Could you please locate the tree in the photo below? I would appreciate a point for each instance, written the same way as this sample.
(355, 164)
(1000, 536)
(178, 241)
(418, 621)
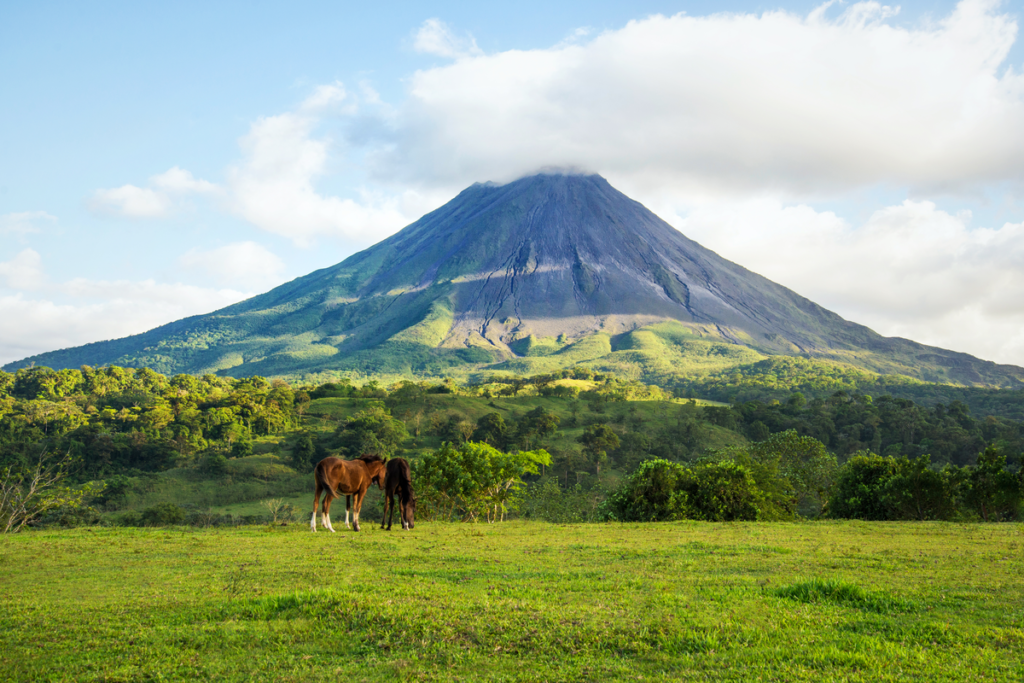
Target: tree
(492, 430)
(724, 491)
(303, 452)
(597, 440)
(715, 491)
(995, 492)
(655, 492)
(858, 487)
(537, 425)
(371, 431)
(29, 492)
(915, 491)
(476, 479)
(803, 460)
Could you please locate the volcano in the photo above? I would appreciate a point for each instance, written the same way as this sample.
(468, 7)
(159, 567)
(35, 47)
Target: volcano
(547, 271)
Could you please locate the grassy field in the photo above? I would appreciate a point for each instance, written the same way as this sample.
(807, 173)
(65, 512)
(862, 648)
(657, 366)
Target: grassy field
(516, 602)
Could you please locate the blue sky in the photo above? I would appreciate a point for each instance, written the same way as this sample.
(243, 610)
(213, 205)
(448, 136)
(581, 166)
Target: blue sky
(162, 160)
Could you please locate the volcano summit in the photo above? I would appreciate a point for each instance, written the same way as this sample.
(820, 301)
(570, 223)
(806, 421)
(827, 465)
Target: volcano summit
(547, 271)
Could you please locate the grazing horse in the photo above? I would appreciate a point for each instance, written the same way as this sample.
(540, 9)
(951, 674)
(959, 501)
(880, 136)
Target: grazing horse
(397, 480)
(336, 478)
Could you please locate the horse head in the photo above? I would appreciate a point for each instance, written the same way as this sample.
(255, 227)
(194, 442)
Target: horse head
(381, 471)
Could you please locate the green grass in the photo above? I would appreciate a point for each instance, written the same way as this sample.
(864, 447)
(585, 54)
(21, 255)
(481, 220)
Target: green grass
(516, 602)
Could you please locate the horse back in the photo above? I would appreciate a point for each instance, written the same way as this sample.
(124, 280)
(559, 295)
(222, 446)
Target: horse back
(343, 477)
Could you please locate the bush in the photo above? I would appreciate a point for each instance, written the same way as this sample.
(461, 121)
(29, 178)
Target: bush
(163, 514)
(475, 480)
(874, 487)
(714, 491)
(724, 491)
(995, 492)
(655, 492)
(215, 464)
(128, 518)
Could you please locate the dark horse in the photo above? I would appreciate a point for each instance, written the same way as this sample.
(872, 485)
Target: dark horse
(397, 480)
(336, 478)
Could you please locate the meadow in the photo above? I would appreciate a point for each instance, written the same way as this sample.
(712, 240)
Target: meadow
(518, 601)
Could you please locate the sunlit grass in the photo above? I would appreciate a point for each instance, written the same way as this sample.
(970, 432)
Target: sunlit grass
(516, 601)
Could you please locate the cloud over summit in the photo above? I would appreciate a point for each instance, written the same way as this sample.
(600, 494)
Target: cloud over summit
(804, 105)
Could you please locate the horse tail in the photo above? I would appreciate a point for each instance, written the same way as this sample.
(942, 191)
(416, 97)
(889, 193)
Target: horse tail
(321, 478)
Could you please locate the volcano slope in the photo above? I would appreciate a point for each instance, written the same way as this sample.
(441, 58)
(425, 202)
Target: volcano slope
(545, 272)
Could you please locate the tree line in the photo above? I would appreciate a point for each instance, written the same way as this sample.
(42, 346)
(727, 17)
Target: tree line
(848, 454)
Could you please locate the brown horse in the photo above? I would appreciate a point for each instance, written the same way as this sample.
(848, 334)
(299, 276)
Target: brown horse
(336, 477)
(397, 480)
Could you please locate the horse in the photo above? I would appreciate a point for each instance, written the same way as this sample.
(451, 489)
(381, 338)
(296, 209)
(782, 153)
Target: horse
(397, 479)
(336, 477)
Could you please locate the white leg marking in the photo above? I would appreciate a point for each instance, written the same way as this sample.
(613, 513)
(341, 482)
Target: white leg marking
(346, 518)
(312, 522)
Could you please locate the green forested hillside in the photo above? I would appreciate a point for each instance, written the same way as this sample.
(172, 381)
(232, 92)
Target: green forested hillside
(220, 446)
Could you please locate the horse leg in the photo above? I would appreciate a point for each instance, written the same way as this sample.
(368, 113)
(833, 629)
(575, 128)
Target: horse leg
(316, 503)
(388, 505)
(327, 512)
(357, 505)
(348, 500)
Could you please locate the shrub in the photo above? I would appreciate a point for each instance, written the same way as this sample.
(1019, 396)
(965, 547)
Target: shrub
(475, 479)
(724, 491)
(163, 514)
(715, 491)
(995, 492)
(655, 492)
(874, 487)
(859, 486)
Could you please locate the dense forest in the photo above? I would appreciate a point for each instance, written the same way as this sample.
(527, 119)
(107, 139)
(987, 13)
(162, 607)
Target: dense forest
(775, 378)
(570, 445)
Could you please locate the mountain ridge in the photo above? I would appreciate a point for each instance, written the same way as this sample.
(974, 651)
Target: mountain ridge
(557, 258)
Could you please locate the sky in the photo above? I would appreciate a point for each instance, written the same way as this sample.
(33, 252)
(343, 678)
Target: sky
(160, 160)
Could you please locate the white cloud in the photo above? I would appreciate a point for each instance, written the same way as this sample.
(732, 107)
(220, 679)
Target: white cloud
(435, 37)
(24, 271)
(130, 201)
(155, 201)
(178, 180)
(325, 97)
(802, 105)
(240, 263)
(24, 222)
(910, 270)
(80, 311)
(273, 187)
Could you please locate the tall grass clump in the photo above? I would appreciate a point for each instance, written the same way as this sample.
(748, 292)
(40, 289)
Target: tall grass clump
(844, 594)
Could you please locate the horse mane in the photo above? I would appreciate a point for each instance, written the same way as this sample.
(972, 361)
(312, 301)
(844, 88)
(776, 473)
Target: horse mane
(370, 457)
